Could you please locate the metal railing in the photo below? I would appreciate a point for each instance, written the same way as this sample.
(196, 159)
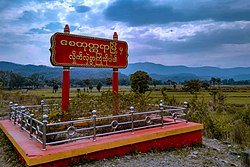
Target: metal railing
(90, 128)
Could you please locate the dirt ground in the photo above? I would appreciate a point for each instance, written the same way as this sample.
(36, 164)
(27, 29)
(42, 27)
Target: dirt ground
(211, 153)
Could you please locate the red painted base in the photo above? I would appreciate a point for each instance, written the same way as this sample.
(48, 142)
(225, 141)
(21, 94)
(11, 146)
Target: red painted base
(171, 136)
(176, 141)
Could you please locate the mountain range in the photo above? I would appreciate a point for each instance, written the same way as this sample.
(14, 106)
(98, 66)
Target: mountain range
(182, 73)
(156, 71)
(56, 72)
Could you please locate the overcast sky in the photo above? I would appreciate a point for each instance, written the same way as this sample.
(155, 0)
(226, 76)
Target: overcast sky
(169, 32)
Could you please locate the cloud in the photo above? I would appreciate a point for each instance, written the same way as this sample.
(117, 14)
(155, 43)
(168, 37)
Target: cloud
(139, 12)
(25, 54)
(144, 12)
(39, 16)
(29, 16)
(223, 56)
(48, 28)
(199, 36)
(213, 36)
(4, 5)
(192, 43)
(82, 9)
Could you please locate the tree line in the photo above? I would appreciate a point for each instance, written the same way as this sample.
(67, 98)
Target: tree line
(11, 80)
(140, 83)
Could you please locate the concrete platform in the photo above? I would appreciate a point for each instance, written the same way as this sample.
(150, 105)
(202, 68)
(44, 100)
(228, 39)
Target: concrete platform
(175, 135)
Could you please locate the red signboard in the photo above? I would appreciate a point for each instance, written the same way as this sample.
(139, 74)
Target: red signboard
(82, 51)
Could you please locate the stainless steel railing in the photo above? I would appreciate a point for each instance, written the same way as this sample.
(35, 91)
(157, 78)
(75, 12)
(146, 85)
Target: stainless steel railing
(90, 128)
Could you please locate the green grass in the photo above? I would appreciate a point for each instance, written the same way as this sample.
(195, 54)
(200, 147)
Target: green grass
(234, 94)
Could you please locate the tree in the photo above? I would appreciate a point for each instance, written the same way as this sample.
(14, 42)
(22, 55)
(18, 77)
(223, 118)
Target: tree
(169, 82)
(42, 80)
(16, 80)
(218, 81)
(213, 81)
(36, 79)
(205, 85)
(124, 81)
(109, 81)
(192, 86)
(11, 80)
(6, 79)
(174, 84)
(99, 86)
(86, 82)
(55, 85)
(155, 82)
(231, 81)
(3, 79)
(76, 82)
(139, 81)
(91, 87)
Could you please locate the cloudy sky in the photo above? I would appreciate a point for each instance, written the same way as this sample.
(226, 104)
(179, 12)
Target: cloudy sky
(170, 32)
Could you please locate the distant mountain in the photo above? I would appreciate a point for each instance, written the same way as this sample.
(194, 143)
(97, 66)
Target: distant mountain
(181, 73)
(176, 77)
(56, 72)
(156, 71)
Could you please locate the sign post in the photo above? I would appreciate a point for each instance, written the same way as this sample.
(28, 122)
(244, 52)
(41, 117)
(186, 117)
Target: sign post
(115, 79)
(66, 81)
(69, 50)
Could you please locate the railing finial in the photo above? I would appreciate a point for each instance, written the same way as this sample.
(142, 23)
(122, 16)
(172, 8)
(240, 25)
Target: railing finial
(45, 118)
(42, 102)
(132, 109)
(186, 105)
(161, 105)
(10, 103)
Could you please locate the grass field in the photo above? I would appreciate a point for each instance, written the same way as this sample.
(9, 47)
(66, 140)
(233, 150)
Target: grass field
(233, 95)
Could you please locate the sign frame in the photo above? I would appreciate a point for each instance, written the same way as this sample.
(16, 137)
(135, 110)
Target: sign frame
(121, 53)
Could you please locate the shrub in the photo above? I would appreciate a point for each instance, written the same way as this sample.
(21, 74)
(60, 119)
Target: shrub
(83, 105)
(170, 101)
(240, 133)
(221, 121)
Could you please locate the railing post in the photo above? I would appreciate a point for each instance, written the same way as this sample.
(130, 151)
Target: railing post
(94, 125)
(161, 108)
(45, 121)
(22, 116)
(31, 124)
(132, 119)
(186, 105)
(10, 105)
(15, 112)
(42, 103)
